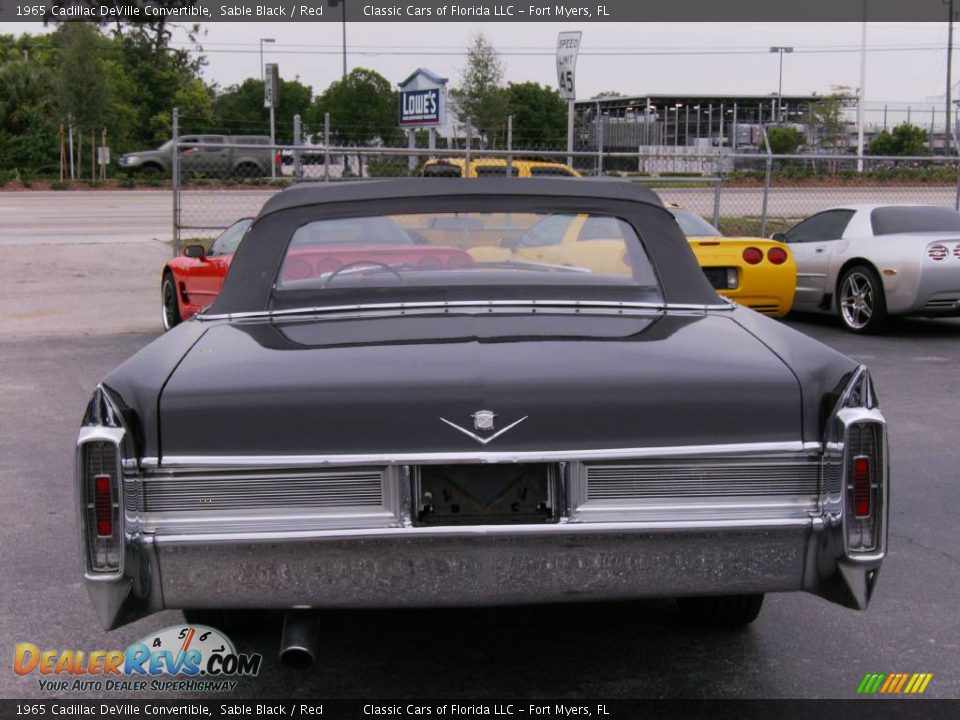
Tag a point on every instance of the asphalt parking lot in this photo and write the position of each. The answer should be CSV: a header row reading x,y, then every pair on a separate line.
x,y
100,304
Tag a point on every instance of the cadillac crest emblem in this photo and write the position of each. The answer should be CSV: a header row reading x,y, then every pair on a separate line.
x,y
483,419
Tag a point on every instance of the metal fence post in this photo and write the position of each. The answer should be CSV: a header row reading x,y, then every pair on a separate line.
x,y
326,147
412,146
766,183
599,141
175,179
716,201
509,144
766,196
956,200
466,167
297,141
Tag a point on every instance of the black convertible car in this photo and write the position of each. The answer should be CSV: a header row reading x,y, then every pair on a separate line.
x,y
350,427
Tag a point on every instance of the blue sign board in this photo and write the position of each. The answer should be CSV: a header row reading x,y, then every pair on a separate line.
x,y
420,108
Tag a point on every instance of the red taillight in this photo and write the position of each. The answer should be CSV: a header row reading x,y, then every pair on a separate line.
x,y
778,256
296,269
937,252
328,265
103,505
956,251
100,494
861,486
752,255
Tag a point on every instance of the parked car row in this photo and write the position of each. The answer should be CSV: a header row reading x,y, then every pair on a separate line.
x,y
864,263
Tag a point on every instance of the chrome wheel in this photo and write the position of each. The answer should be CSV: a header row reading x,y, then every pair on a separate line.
x,y
170,312
858,300
861,302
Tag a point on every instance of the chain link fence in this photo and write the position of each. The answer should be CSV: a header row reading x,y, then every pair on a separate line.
x,y
220,178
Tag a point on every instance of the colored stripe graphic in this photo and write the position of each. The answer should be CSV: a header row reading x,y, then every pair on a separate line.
x,y
894,683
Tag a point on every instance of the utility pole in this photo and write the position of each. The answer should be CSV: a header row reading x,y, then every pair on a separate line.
x,y
948,128
780,49
862,91
343,19
262,41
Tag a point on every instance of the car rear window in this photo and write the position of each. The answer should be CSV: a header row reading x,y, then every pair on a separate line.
x,y
550,171
693,225
441,170
496,170
909,219
478,249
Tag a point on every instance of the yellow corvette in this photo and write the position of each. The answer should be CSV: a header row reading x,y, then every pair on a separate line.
x,y
495,167
760,274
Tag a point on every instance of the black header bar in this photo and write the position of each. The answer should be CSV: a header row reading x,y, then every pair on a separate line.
x,y
576,12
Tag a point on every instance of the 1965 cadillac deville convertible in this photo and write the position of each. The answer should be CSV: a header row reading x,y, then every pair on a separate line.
x,y
477,432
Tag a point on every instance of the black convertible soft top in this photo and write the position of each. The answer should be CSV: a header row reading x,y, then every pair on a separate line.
x,y
320,193
249,286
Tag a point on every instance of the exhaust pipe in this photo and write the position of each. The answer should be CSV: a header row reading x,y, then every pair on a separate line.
x,y
298,640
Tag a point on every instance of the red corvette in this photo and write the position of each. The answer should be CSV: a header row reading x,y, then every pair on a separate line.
x,y
193,280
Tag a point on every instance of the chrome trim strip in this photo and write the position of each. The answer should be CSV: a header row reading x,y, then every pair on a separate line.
x,y
485,440
551,529
474,457
327,309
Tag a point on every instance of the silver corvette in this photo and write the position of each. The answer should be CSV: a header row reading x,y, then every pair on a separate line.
x,y
869,262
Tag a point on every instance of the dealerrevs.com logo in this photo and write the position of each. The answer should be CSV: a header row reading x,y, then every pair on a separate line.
x,y
179,658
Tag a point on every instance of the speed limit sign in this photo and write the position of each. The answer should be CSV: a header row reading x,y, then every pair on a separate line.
x,y
568,45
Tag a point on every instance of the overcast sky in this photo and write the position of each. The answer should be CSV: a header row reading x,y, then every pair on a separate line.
x,y
905,63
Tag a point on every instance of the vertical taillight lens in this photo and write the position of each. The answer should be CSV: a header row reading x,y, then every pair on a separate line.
x,y
103,505
100,491
861,486
864,486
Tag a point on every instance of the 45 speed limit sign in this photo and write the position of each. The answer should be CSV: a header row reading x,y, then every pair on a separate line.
x,y
568,45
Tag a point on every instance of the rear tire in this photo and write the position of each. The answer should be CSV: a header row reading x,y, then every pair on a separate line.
x,y
861,301
170,312
723,611
247,170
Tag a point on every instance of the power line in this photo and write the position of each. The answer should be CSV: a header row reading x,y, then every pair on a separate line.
x,y
551,53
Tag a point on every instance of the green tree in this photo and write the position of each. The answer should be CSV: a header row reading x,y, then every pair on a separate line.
x,y
239,108
82,87
29,130
363,109
539,115
905,139
784,140
826,120
130,21
480,101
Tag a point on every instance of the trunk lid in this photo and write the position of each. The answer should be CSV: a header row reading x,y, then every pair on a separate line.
x,y
395,384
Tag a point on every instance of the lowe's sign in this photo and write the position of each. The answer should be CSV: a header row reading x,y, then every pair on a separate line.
x,y
420,108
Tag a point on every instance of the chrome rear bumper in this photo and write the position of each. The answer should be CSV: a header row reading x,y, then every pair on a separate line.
x,y
493,565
